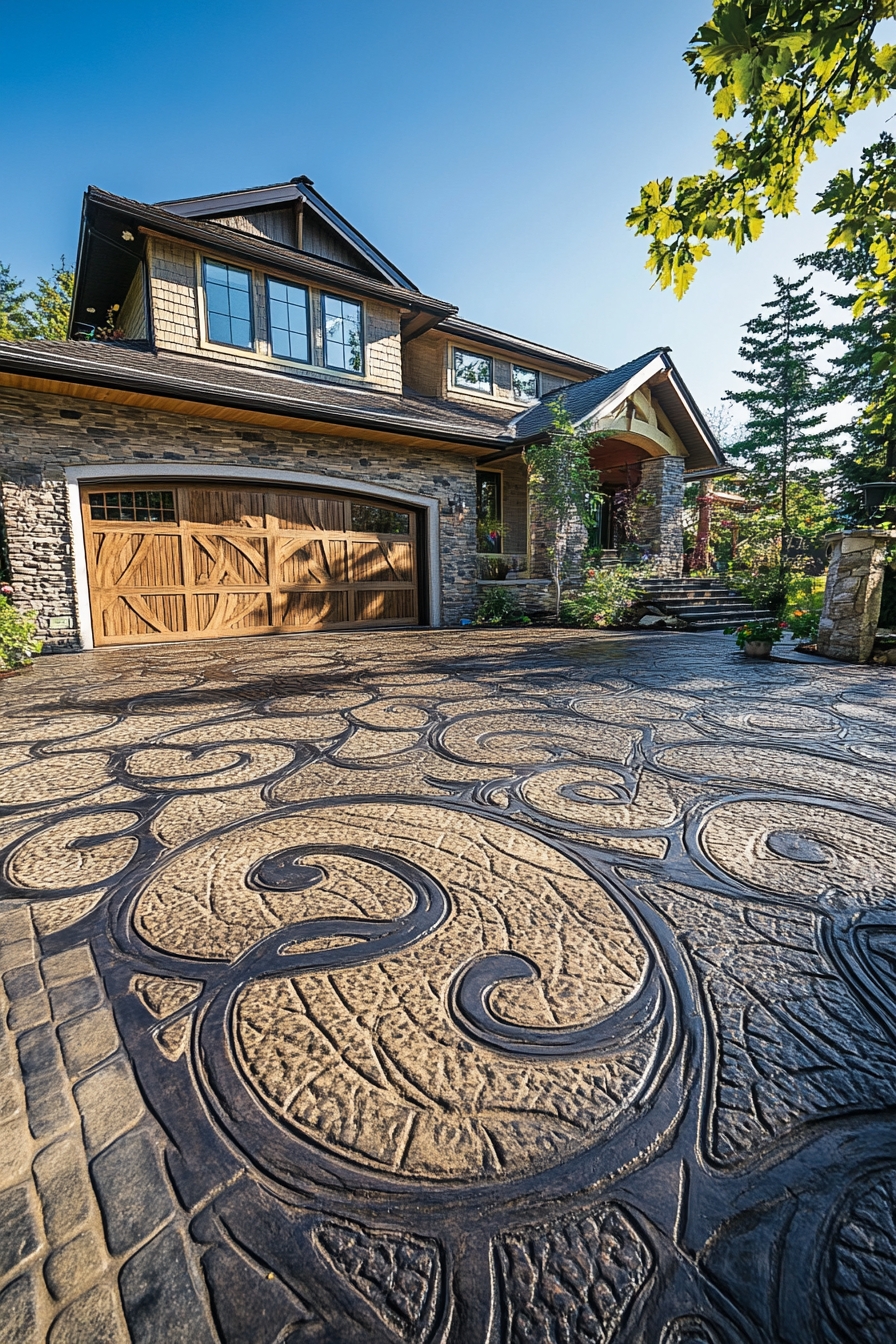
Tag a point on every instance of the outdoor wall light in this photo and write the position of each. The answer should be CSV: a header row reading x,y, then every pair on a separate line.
x,y
127,235
457,508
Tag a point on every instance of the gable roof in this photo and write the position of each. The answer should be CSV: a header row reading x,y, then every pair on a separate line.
x,y
588,400
298,191
473,331
108,258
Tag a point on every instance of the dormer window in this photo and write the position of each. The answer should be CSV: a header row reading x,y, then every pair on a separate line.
x,y
342,334
288,321
473,372
228,304
525,383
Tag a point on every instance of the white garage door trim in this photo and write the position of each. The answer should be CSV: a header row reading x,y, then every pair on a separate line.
x,y
140,471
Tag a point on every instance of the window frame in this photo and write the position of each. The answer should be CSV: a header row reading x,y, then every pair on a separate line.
x,y
468,387
499,516
523,369
103,493
288,284
340,368
229,345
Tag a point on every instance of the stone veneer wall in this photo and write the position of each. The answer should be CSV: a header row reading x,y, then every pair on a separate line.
x,y
663,477
42,434
852,594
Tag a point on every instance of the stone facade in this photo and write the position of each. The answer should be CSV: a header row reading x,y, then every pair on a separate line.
x,y
663,478
852,594
42,434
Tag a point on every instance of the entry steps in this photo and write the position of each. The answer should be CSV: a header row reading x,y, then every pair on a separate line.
x,y
704,604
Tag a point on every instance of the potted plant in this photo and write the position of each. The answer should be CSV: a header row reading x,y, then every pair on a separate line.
x,y
755,638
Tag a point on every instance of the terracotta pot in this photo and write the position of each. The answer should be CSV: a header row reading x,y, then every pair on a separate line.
x,y
758,648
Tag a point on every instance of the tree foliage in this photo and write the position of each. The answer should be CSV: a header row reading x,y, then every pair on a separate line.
x,y
562,484
39,314
13,301
785,75
861,372
785,434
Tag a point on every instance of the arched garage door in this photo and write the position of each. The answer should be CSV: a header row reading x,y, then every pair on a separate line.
x,y
202,561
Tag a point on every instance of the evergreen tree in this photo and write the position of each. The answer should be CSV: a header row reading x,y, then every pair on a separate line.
x,y
13,312
52,304
785,400
863,374
40,314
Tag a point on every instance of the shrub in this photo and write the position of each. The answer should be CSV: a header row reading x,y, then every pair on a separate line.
x,y
17,630
499,606
803,622
604,598
759,632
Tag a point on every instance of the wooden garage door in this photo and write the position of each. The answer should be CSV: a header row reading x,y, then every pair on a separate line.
x,y
202,562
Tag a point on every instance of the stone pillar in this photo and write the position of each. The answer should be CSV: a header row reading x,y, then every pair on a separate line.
x,y
663,478
38,539
852,594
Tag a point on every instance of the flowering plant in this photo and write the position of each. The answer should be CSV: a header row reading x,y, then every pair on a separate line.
x,y
804,624
757,632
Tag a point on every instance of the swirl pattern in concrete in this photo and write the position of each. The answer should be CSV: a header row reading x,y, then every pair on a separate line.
x,y
457,986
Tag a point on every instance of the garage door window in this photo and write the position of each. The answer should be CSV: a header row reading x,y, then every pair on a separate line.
x,y
137,506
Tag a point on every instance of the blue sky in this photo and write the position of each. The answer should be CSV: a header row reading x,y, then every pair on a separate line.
x,y
492,150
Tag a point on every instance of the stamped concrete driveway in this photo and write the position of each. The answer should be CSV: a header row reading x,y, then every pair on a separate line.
x,y
448,987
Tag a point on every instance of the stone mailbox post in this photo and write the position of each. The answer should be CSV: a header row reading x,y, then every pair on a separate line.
x,y
852,594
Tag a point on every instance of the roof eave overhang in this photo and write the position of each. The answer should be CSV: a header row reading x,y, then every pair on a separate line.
x,y
296,192
34,367
152,221
499,341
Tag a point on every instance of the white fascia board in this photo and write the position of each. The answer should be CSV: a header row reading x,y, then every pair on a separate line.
x,y
637,380
232,202
686,403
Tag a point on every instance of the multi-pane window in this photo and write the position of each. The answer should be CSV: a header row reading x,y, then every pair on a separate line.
x,y
228,301
342,334
473,371
525,383
369,518
133,506
489,530
288,319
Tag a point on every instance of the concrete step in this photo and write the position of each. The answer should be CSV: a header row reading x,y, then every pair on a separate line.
x,y
730,615
707,605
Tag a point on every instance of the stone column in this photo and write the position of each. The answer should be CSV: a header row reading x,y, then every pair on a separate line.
x,y
852,594
38,540
663,477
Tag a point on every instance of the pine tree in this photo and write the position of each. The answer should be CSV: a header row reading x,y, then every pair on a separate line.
x,y
786,396
863,374
52,304
14,321
40,314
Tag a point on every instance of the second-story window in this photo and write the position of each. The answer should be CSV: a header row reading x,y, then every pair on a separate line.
x,y
228,301
525,383
472,371
288,319
342,334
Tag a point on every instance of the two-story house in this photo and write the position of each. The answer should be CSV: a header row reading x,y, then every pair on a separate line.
x,y
259,424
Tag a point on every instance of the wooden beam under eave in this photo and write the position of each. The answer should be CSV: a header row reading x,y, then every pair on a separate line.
x,y
234,415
